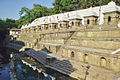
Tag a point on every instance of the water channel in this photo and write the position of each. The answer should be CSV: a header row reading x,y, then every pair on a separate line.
x,y
4,72
24,72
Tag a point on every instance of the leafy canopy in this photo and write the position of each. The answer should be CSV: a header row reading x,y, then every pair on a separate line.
x,y
28,15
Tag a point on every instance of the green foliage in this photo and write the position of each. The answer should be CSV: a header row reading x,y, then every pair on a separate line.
x,y
63,5
89,3
8,23
28,15
68,5
24,10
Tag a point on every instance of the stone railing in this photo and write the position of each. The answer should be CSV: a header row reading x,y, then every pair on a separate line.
x,y
82,28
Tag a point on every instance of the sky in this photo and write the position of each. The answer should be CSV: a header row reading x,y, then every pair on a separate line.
x,y
11,8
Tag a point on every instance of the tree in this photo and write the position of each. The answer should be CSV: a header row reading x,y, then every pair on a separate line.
x,y
8,23
24,10
76,3
63,6
28,15
39,11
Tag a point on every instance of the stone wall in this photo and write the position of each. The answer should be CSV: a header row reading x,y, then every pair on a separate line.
x,y
85,45
111,18
108,40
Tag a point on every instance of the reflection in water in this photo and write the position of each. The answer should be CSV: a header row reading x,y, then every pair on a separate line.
x,y
26,73
4,72
23,72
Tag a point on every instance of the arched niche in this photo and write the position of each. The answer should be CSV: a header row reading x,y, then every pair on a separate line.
x,y
55,26
103,61
72,23
85,58
88,21
109,19
78,23
96,21
72,55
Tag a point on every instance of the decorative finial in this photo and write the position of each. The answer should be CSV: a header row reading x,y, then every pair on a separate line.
x,y
111,3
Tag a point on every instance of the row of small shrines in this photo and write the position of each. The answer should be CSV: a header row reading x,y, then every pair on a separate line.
x,y
110,18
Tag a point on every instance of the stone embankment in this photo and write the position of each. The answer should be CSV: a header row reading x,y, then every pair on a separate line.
x,y
93,54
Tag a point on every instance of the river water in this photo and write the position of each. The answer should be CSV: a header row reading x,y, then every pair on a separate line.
x,y
23,72
4,72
